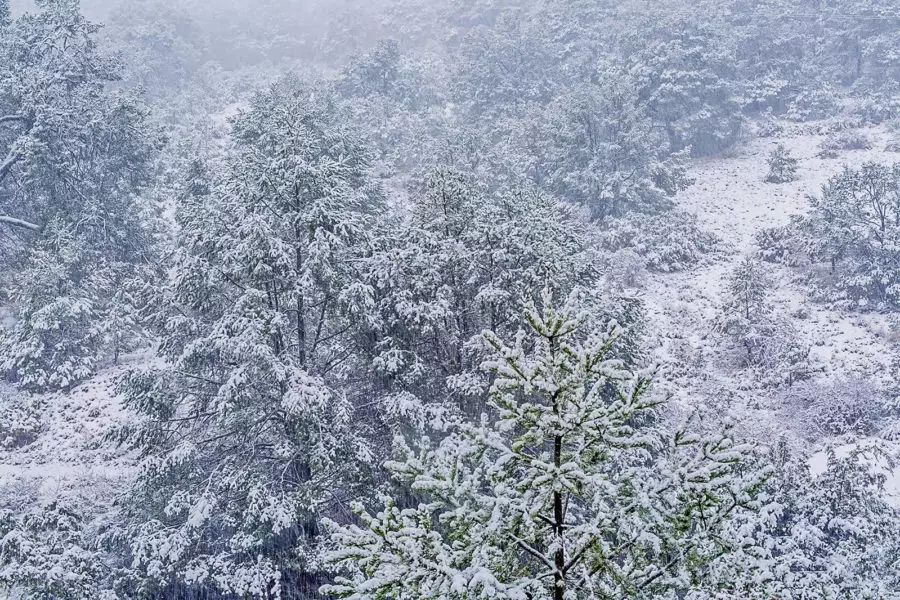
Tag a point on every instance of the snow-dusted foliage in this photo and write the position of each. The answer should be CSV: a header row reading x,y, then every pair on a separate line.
x,y
392,96
74,156
499,68
668,241
384,74
782,244
573,492
813,103
46,552
853,227
246,429
459,263
878,106
851,406
821,533
20,421
767,342
782,166
687,80
601,149
244,244
845,140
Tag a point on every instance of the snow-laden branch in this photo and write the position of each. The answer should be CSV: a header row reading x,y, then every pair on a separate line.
x,y
20,223
7,165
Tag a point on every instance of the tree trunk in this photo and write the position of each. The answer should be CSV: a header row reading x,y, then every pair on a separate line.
x,y
559,559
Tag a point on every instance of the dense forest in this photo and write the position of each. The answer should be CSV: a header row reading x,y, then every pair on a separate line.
x,y
474,299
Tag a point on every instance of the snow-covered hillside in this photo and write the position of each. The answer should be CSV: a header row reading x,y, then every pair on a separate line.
x,y
481,299
730,198
68,450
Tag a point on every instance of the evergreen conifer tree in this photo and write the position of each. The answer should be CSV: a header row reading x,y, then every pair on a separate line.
x,y
571,492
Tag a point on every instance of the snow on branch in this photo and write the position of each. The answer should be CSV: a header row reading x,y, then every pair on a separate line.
x,y
20,223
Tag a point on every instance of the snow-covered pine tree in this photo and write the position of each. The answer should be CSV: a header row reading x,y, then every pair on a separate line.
x,y
748,288
686,78
570,492
458,263
747,310
764,340
247,432
73,157
825,531
782,166
384,73
602,149
499,69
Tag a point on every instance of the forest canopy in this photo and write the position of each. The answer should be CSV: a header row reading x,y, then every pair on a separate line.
x,y
459,300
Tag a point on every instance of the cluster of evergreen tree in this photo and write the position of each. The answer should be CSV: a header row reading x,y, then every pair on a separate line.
x,y
401,265
852,231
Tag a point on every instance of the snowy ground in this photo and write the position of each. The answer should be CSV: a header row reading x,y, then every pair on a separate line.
x,y
72,450
731,199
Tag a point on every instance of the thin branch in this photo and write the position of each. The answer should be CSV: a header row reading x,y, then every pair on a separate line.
x,y
20,223
578,555
7,165
524,546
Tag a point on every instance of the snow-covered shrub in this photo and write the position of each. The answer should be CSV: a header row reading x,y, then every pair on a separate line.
x,y
768,127
780,245
785,356
893,335
841,124
691,359
624,269
813,103
47,553
877,107
65,332
53,347
668,241
20,420
846,140
828,154
847,406
763,341
892,146
746,313
782,166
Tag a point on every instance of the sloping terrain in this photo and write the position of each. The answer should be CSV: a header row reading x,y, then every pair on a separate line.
x,y
731,198
70,449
